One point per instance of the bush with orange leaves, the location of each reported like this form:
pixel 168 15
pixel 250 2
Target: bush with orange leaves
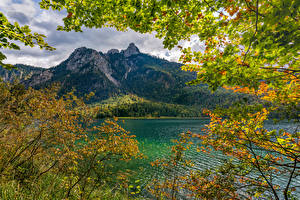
pixel 44 135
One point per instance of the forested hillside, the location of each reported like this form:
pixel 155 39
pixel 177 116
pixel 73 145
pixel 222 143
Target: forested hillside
pixel 118 73
pixel 133 106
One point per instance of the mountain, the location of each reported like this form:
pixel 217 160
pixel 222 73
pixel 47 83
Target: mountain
pixel 120 72
pixel 22 72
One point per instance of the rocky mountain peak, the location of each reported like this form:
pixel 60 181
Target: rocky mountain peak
pixel 84 60
pixel 113 51
pixel 82 56
pixel 131 50
pixel 129 71
pixel 78 52
pixel 82 51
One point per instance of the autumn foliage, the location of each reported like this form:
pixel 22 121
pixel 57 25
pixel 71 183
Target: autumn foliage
pixel 250 47
pixel 43 136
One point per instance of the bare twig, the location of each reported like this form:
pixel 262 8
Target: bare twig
pixel 253 10
pixel 251 40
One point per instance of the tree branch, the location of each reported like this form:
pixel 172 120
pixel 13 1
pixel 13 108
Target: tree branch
pixel 290 180
pixel 251 40
pixel 253 10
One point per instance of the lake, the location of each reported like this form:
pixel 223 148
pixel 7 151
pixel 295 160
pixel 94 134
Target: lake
pixel 155 137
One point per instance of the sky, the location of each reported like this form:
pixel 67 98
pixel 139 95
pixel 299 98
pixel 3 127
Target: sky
pixel 28 12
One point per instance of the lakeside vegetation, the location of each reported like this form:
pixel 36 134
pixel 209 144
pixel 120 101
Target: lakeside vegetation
pixel 133 106
pixel 48 149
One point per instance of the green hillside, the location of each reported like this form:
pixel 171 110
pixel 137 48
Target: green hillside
pixel 133 106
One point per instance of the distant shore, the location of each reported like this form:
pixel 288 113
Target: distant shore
pixel 164 117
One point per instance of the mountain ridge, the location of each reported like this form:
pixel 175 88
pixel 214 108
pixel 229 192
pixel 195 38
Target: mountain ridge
pixel 115 72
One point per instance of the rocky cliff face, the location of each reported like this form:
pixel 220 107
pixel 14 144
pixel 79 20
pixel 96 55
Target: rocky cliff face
pixel 111 73
pixel 22 72
pixel 131 50
pixel 96 61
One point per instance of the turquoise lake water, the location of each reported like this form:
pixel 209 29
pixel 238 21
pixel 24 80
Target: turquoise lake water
pixel 155 135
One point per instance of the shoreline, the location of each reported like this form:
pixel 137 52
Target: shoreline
pixel 137 118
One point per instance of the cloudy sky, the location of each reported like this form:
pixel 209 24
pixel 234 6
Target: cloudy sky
pixel 46 21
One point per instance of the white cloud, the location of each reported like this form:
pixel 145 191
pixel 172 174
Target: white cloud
pixel 46 21
pixel 28 7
